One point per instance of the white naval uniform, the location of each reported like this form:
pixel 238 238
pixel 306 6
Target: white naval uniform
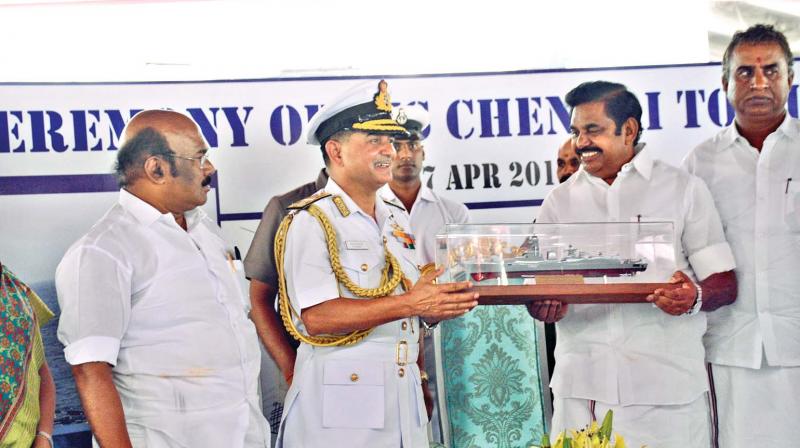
pixel 636 354
pixel 164 307
pixel 428 216
pixel 367 394
pixel 754 344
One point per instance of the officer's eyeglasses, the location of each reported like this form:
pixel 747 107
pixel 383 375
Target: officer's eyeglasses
pixel 412 147
pixel 203 159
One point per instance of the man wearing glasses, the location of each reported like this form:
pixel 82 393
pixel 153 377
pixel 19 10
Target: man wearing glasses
pixel 153 315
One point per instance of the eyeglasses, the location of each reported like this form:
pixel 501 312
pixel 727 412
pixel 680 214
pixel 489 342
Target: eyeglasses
pixel 203 159
pixel 411 146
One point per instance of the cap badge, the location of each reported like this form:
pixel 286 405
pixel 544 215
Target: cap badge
pixel 382 99
pixel 402 117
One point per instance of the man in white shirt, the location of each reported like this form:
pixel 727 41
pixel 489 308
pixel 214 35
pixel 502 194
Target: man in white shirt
pixel 428 213
pixel 346 266
pixel 153 315
pixel 753 171
pixel 644 362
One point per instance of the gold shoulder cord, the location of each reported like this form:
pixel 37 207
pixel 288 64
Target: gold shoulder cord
pixel 387 285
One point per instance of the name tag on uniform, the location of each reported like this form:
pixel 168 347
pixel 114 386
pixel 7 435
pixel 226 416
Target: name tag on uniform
pixel 356 245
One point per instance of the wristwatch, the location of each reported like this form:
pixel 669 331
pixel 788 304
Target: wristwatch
pixel 423 376
pixel 427 326
pixel 698 302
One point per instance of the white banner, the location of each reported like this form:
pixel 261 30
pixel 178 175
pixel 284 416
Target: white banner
pixel 492 142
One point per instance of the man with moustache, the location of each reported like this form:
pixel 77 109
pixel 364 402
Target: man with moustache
pixel 645 362
pixel 753 171
pixel 153 316
pixel 347 266
pixel 567 163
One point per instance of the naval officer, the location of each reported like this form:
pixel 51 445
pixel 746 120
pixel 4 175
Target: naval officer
pixel 347 271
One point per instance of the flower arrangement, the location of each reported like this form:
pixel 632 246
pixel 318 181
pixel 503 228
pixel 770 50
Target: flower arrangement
pixel 593 436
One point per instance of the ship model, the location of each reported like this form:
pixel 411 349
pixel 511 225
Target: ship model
pixel 527 261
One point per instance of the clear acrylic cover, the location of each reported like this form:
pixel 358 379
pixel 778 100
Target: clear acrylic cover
pixel 566 253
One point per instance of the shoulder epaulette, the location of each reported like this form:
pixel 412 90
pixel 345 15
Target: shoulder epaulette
pixel 304 203
pixel 339 203
pixel 394 205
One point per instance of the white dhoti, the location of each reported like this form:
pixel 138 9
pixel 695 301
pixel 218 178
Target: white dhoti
pixel 757 407
pixel 660 426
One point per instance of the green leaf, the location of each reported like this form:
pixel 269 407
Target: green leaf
pixel 605 428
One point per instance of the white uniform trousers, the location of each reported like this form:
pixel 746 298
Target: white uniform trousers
pixel 356 396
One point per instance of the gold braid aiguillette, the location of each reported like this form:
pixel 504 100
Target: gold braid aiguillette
pixel 391 277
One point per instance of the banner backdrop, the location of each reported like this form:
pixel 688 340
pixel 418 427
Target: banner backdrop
pixel 492 142
pixel 492 145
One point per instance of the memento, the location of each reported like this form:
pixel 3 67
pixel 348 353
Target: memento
pixel 613 262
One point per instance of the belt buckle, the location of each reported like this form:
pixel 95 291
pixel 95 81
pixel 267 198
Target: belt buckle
pixel 402 347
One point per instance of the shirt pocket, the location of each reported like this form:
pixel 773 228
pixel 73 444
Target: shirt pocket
pixel 791 207
pixel 353 394
pixel 241 284
pixel 364 267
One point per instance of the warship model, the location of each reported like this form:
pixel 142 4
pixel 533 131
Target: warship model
pixel 527 262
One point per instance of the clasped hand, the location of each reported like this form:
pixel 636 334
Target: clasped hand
pixel 433 303
pixel 675 301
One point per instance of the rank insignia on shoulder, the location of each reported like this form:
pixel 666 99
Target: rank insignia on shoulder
pixel 406 239
pixel 304 203
pixel 339 203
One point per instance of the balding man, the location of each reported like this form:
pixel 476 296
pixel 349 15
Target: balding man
pixel 153 318
pixel 567 163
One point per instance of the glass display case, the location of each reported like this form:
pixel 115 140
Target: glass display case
pixel 601 262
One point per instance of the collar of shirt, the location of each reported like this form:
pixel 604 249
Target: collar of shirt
pixel 381 210
pixel 730 135
pixel 641 163
pixel 424 194
pixel 146 214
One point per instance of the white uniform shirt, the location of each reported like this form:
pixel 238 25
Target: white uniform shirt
pixel 165 308
pixel 366 394
pixel 636 353
pixel 429 214
pixel 760 211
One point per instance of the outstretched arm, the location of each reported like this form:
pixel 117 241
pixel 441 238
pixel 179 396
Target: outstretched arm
pixel 430 302
pixel 718 289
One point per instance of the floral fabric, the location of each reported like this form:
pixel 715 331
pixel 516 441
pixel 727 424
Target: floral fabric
pixel 17 322
pixel 491 375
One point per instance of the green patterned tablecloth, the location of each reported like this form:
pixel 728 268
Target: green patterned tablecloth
pixel 492 382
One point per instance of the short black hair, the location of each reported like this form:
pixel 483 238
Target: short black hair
pixel 755 35
pixel 620 103
pixel 342 135
pixel 130 158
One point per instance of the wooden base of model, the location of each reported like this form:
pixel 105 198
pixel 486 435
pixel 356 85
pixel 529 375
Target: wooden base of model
pixel 568 289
